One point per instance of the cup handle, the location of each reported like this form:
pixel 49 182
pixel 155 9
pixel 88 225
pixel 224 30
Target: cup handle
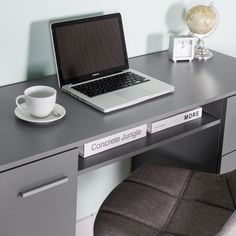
pixel 20 104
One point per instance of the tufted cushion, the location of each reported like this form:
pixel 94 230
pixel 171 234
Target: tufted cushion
pixel 168 201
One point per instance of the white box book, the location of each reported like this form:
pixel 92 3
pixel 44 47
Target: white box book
pixel 175 120
pixel 115 140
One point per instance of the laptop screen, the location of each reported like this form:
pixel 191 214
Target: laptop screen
pixel 89 48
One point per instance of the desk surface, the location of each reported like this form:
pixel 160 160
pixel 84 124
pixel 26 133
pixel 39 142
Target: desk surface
pixel 196 84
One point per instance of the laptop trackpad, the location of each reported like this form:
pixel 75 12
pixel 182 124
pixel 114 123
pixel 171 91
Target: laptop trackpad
pixel 132 93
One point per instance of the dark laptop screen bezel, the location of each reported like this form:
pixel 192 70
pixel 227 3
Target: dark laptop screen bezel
pixel 90 76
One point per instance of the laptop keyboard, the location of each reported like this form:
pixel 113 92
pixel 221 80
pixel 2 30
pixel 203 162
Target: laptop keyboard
pixel 110 84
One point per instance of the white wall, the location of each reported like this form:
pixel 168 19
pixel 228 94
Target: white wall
pixel 95 186
pixel 25 52
pixel 223 40
pixel 25 46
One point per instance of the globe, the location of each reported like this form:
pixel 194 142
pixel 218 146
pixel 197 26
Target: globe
pixel 202 21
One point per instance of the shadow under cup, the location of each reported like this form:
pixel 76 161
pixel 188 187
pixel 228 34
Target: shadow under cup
pixel 39 100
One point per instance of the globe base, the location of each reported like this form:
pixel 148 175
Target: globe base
pixel 202 53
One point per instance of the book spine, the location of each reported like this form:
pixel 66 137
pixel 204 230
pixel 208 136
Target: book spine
pixel 175 120
pixel 112 141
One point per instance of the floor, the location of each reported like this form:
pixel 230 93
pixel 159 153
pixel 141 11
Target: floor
pixel 84 227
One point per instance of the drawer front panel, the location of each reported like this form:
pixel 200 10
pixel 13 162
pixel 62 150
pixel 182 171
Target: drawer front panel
pixel 229 143
pixel 228 163
pixel 39 199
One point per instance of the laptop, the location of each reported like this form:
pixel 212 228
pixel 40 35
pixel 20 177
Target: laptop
pixel 92 64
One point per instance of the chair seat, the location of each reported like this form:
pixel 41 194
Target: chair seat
pixel 168 201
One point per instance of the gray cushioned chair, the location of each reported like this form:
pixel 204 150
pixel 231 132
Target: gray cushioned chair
pixel 167 201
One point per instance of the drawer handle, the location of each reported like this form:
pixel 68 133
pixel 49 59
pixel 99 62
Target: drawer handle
pixel 42 188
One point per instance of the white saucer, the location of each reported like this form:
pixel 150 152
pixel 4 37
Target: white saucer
pixel 58 112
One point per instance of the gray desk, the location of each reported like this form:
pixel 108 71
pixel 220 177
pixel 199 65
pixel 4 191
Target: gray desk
pixel 27 149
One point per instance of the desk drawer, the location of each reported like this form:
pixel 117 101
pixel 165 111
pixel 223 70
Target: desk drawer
pixel 229 143
pixel 39 199
pixel 228 163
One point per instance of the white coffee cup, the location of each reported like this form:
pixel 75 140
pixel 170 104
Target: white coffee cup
pixel 39 101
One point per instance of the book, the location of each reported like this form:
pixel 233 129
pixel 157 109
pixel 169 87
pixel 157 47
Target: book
pixel 175 120
pixel 112 141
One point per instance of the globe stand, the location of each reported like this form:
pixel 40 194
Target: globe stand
pixel 202 53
